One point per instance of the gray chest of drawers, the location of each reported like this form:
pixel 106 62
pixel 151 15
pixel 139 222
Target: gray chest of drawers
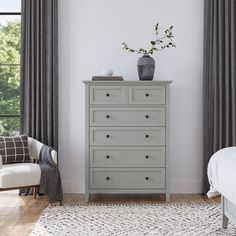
pixel 127 130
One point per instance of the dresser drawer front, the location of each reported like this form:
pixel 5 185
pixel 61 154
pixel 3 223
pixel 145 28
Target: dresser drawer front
pixel 127 157
pixel 147 95
pixel 127 136
pixel 140 178
pixel 108 95
pixel 127 116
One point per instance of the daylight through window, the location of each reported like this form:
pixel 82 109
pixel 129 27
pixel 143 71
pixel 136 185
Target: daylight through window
pixel 10 34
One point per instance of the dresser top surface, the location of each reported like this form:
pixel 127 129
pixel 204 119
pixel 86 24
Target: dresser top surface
pixel 128 82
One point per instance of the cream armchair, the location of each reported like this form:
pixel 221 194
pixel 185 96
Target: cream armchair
pixel 19 175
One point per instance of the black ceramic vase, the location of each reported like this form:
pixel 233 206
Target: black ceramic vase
pixel 146 67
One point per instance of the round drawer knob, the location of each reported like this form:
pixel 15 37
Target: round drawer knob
pixel 108 94
pixel 107 116
pixel 147 178
pixel 147 94
pixel 147 116
pixel 147 157
pixel 107 136
pixel 108 157
pixel 147 136
pixel 107 178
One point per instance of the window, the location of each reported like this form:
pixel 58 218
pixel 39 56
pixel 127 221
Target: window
pixel 10 34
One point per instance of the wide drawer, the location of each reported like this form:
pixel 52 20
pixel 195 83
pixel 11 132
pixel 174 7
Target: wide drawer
pixel 127 157
pixel 108 95
pixel 147 95
pixel 127 136
pixel 127 178
pixel 127 116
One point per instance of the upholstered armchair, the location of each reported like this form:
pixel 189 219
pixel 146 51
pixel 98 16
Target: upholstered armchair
pixel 20 175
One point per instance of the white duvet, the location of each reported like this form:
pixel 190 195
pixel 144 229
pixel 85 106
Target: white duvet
pixel 222 174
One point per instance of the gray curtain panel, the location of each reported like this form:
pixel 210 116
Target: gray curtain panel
pixel 219 83
pixel 39 70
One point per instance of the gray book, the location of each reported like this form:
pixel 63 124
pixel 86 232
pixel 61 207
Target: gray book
pixel 107 78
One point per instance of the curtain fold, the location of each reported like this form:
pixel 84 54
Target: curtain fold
pixel 39 70
pixel 219 81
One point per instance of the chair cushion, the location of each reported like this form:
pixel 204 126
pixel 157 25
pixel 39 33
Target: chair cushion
pixel 19 174
pixel 14 149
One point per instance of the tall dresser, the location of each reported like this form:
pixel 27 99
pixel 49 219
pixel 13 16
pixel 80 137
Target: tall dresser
pixel 127 128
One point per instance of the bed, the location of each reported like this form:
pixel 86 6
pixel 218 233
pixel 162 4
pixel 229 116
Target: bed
pixel 222 179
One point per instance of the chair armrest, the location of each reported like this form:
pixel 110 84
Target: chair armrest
pixel 0 161
pixel 54 156
pixel 35 148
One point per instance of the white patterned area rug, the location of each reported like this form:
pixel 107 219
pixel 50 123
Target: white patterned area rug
pixel 132 220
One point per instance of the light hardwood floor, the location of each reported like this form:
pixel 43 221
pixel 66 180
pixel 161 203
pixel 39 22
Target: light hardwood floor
pixel 18 214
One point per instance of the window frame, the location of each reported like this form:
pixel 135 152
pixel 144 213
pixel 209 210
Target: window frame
pixel 10 13
pixel 5 64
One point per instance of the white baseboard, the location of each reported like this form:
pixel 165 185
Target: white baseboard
pixel 175 186
pixel 180 186
pixel 72 187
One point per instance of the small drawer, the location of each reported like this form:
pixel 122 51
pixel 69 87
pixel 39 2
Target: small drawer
pixel 127 136
pixel 127 116
pixel 147 95
pixel 127 157
pixel 127 178
pixel 108 95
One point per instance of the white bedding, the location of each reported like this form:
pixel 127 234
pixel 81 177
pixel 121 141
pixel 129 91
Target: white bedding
pixel 222 174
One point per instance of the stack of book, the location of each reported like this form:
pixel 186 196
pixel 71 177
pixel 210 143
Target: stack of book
pixel 104 78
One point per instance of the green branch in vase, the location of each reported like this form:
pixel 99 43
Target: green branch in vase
pixel 166 41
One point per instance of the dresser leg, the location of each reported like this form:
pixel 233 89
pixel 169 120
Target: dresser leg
pixel 87 197
pixel 225 221
pixel 167 197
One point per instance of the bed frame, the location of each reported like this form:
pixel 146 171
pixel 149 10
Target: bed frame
pixel 228 212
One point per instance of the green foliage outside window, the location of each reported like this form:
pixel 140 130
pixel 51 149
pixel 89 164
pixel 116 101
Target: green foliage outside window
pixel 9 77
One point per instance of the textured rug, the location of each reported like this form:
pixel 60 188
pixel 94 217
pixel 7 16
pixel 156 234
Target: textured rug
pixel 137 220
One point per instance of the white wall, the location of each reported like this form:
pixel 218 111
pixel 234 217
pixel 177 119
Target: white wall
pixel 90 37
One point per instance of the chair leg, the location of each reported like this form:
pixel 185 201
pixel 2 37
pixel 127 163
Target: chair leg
pixel 34 192
pixel 61 204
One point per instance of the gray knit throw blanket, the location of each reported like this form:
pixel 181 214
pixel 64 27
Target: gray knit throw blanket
pixel 50 182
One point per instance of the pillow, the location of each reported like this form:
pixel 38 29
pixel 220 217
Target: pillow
pixel 14 149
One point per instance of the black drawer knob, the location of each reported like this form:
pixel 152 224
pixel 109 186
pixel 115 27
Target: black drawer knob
pixel 107 178
pixel 147 116
pixel 147 136
pixel 147 157
pixel 108 157
pixel 107 136
pixel 147 94
pixel 108 94
pixel 107 116
pixel 147 178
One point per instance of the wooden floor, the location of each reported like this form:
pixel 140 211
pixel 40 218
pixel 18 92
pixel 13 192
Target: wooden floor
pixel 18 214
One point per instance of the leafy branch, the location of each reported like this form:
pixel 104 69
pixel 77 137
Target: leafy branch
pixel 166 41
